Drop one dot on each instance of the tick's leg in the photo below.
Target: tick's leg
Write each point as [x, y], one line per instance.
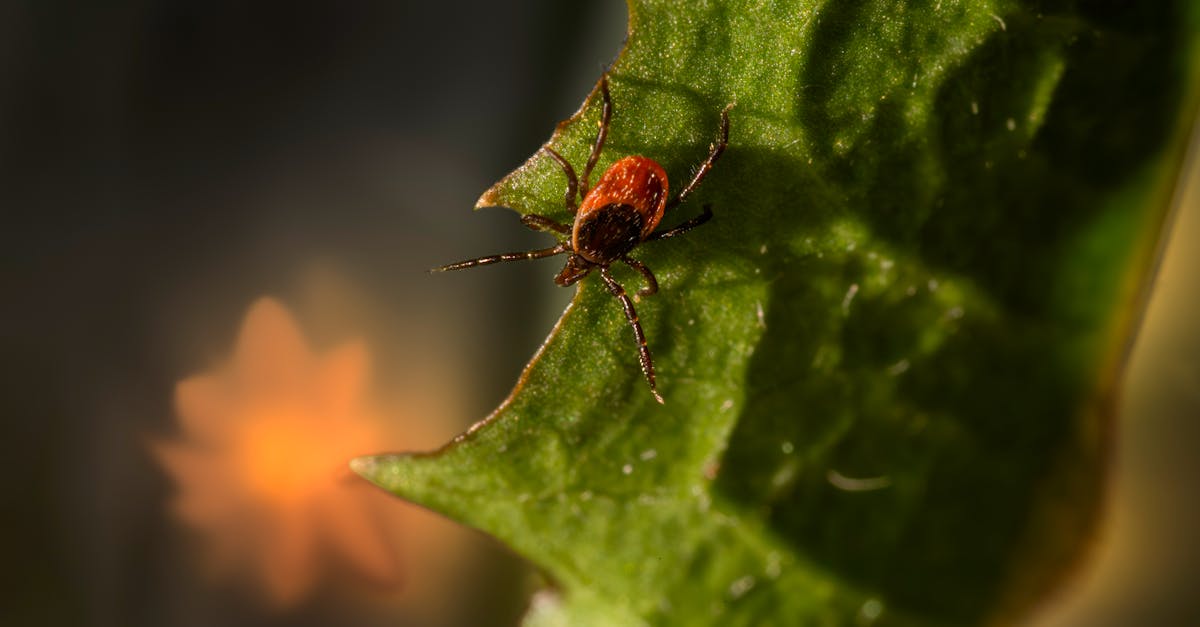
[605, 115]
[651, 283]
[542, 223]
[685, 227]
[714, 153]
[572, 182]
[483, 261]
[631, 314]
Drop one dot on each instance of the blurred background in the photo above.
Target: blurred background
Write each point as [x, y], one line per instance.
[166, 165]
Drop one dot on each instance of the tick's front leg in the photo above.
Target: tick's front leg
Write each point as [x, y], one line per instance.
[651, 283]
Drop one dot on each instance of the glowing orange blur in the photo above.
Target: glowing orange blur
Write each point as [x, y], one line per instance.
[262, 463]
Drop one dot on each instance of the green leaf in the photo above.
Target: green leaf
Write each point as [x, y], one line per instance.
[888, 361]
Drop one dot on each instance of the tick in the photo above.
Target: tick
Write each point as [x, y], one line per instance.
[612, 219]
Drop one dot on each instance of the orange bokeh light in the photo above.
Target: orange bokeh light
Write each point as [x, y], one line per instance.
[262, 464]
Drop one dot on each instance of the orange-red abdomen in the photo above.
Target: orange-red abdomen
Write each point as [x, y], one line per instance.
[635, 181]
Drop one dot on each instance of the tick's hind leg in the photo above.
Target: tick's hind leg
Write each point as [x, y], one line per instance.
[714, 153]
[542, 223]
[572, 182]
[651, 283]
[601, 134]
[631, 314]
[685, 227]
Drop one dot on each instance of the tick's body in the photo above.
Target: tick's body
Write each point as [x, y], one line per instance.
[637, 183]
[620, 212]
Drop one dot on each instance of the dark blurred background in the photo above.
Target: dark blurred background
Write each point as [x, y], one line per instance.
[164, 163]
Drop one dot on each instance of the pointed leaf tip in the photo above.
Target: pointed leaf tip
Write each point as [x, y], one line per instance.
[366, 467]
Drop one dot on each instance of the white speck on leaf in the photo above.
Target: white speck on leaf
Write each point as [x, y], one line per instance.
[871, 610]
[774, 565]
[853, 484]
[741, 586]
[849, 297]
